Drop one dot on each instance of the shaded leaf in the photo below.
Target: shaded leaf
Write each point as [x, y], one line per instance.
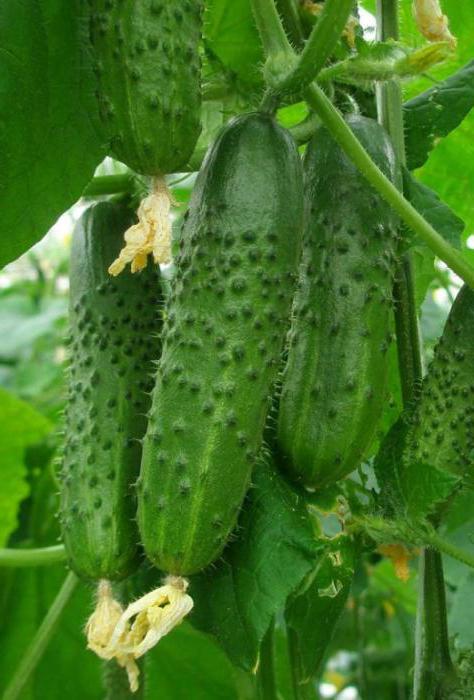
[312, 613]
[21, 426]
[236, 600]
[48, 143]
[67, 669]
[436, 112]
[185, 660]
[232, 36]
[435, 211]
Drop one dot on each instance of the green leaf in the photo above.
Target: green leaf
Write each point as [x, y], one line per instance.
[436, 112]
[236, 600]
[67, 669]
[461, 615]
[450, 168]
[185, 660]
[232, 36]
[48, 143]
[313, 612]
[408, 490]
[436, 212]
[21, 426]
[441, 217]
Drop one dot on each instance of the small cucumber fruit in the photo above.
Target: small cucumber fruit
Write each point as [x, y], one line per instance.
[113, 328]
[226, 321]
[333, 386]
[147, 63]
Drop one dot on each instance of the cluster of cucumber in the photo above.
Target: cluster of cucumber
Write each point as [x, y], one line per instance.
[282, 289]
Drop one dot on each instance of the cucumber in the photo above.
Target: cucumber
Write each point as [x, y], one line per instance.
[442, 432]
[333, 387]
[147, 64]
[113, 329]
[226, 320]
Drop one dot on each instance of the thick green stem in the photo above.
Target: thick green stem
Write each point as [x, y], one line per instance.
[109, 184]
[266, 670]
[336, 125]
[270, 28]
[434, 674]
[40, 642]
[288, 11]
[432, 657]
[32, 557]
[320, 45]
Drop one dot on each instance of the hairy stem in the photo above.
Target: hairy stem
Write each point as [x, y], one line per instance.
[32, 557]
[270, 28]
[288, 11]
[41, 640]
[320, 45]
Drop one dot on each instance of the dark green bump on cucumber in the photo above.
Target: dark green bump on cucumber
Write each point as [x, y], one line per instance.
[248, 198]
[148, 74]
[443, 422]
[333, 386]
[113, 336]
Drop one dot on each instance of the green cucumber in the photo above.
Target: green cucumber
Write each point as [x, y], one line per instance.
[442, 432]
[113, 328]
[148, 72]
[226, 320]
[334, 383]
[312, 613]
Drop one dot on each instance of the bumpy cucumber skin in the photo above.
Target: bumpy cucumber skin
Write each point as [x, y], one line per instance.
[333, 386]
[442, 434]
[113, 329]
[148, 69]
[226, 323]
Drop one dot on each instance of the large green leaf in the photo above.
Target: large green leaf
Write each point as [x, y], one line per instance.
[21, 426]
[67, 669]
[232, 36]
[188, 663]
[48, 143]
[437, 112]
[236, 600]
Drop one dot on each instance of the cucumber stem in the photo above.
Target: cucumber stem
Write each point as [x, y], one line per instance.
[336, 125]
[432, 657]
[320, 45]
[41, 640]
[43, 556]
[266, 670]
[270, 28]
[288, 11]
